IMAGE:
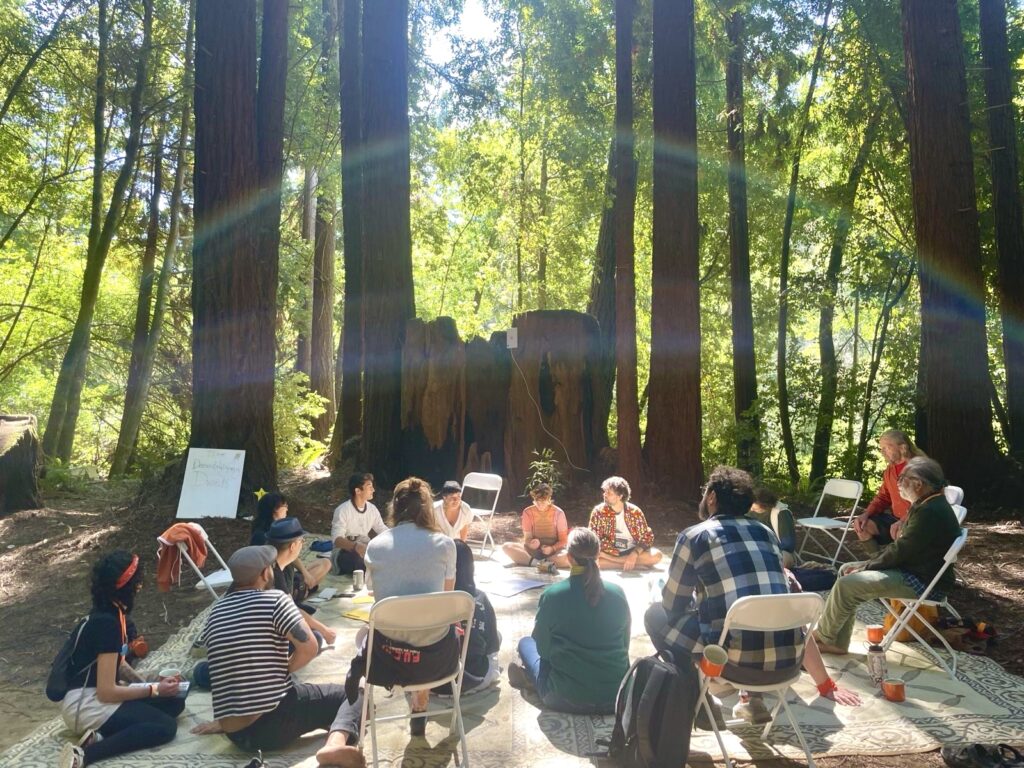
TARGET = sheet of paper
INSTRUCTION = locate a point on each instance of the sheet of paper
(359, 614)
(511, 587)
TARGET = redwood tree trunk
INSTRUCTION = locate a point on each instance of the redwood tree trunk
(744, 367)
(234, 275)
(953, 354)
(350, 355)
(629, 459)
(388, 292)
(1002, 131)
(673, 448)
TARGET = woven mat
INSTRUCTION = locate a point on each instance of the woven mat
(507, 729)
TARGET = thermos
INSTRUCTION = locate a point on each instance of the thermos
(877, 669)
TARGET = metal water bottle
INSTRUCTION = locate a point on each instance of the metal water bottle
(877, 668)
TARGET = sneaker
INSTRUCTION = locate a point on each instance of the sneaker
(518, 678)
(753, 711)
(71, 756)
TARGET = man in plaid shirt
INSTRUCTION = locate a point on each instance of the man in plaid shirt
(724, 558)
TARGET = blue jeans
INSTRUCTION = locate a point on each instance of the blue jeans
(539, 673)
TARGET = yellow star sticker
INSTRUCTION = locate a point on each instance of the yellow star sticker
(259, 494)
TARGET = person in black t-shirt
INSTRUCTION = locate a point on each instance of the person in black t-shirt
(286, 537)
(114, 717)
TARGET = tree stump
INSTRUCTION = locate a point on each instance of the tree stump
(20, 460)
(487, 381)
(551, 394)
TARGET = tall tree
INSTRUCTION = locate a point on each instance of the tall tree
(630, 458)
(782, 340)
(58, 439)
(234, 267)
(673, 447)
(321, 370)
(350, 355)
(826, 344)
(1002, 154)
(953, 345)
(137, 388)
(387, 239)
(744, 368)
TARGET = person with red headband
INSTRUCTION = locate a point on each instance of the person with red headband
(111, 716)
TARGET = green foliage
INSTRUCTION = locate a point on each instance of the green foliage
(295, 406)
(544, 468)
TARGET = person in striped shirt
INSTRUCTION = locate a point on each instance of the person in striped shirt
(545, 533)
(256, 702)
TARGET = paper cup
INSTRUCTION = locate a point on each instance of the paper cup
(876, 633)
(894, 689)
(169, 673)
(713, 661)
(357, 579)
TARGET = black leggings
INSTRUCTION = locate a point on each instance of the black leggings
(135, 725)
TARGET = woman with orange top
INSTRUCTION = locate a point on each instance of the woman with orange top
(545, 533)
(880, 522)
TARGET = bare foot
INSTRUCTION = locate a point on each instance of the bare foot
(211, 727)
(342, 754)
(832, 650)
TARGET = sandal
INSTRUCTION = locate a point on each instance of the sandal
(1010, 757)
(972, 756)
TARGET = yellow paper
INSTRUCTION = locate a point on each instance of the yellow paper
(362, 599)
(359, 614)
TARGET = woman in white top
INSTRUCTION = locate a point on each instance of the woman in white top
(451, 513)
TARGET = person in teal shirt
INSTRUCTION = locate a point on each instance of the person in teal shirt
(579, 650)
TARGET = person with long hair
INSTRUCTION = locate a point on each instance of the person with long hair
(880, 522)
(578, 652)
(107, 702)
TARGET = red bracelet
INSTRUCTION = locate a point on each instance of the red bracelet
(827, 687)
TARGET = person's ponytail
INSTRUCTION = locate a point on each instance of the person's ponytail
(585, 548)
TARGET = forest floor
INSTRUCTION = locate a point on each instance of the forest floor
(46, 554)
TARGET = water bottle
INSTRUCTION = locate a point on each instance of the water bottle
(877, 668)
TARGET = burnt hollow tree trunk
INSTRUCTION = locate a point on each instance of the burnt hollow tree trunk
(1002, 131)
(20, 460)
(826, 344)
(550, 395)
(673, 447)
(630, 460)
(953, 355)
(388, 287)
(488, 372)
(744, 369)
(234, 282)
(350, 353)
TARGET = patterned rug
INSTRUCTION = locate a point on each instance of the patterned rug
(505, 728)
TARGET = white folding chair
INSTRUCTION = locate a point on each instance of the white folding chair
(831, 526)
(767, 613)
(433, 610)
(909, 608)
(482, 481)
(213, 581)
(960, 512)
(954, 494)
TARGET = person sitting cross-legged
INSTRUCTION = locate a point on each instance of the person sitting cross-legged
(880, 522)
(269, 509)
(354, 522)
(452, 516)
(545, 533)
(286, 537)
(256, 701)
(626, 538)
(904, 568)
(578, 652)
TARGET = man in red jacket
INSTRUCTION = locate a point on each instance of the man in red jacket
(879, 524)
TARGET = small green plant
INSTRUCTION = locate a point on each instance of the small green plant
(545, 468)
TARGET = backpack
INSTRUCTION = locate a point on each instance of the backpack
(654, 712)
(58, 682)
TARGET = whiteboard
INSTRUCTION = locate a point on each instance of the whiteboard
(213, 477)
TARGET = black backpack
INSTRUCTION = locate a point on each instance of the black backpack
(58, 682)
(654, 713)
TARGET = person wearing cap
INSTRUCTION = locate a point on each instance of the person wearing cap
(354, 522)
(451, 513)
(285, 536)
(271, 508)
(256, 702)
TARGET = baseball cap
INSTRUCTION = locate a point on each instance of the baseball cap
(450, 486)
(249, 562)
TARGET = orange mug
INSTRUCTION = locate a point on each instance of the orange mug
(894, 689)
(713, 661)
(876, 633)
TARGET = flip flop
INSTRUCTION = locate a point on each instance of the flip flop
(1010, 757)
(972, 756)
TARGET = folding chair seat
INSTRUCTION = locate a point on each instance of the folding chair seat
(212, 582)
(487, 483)
(909, 609)
(411, 613)
(822, 531)
(766, 613)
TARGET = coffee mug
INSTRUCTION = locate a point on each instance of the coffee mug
(169, 673)
(713, 661)
(876, 633)
(894, 689)
(357, 579)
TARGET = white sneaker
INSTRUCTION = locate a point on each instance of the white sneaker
(71, 756)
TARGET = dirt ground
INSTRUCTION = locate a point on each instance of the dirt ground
(45, 556)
